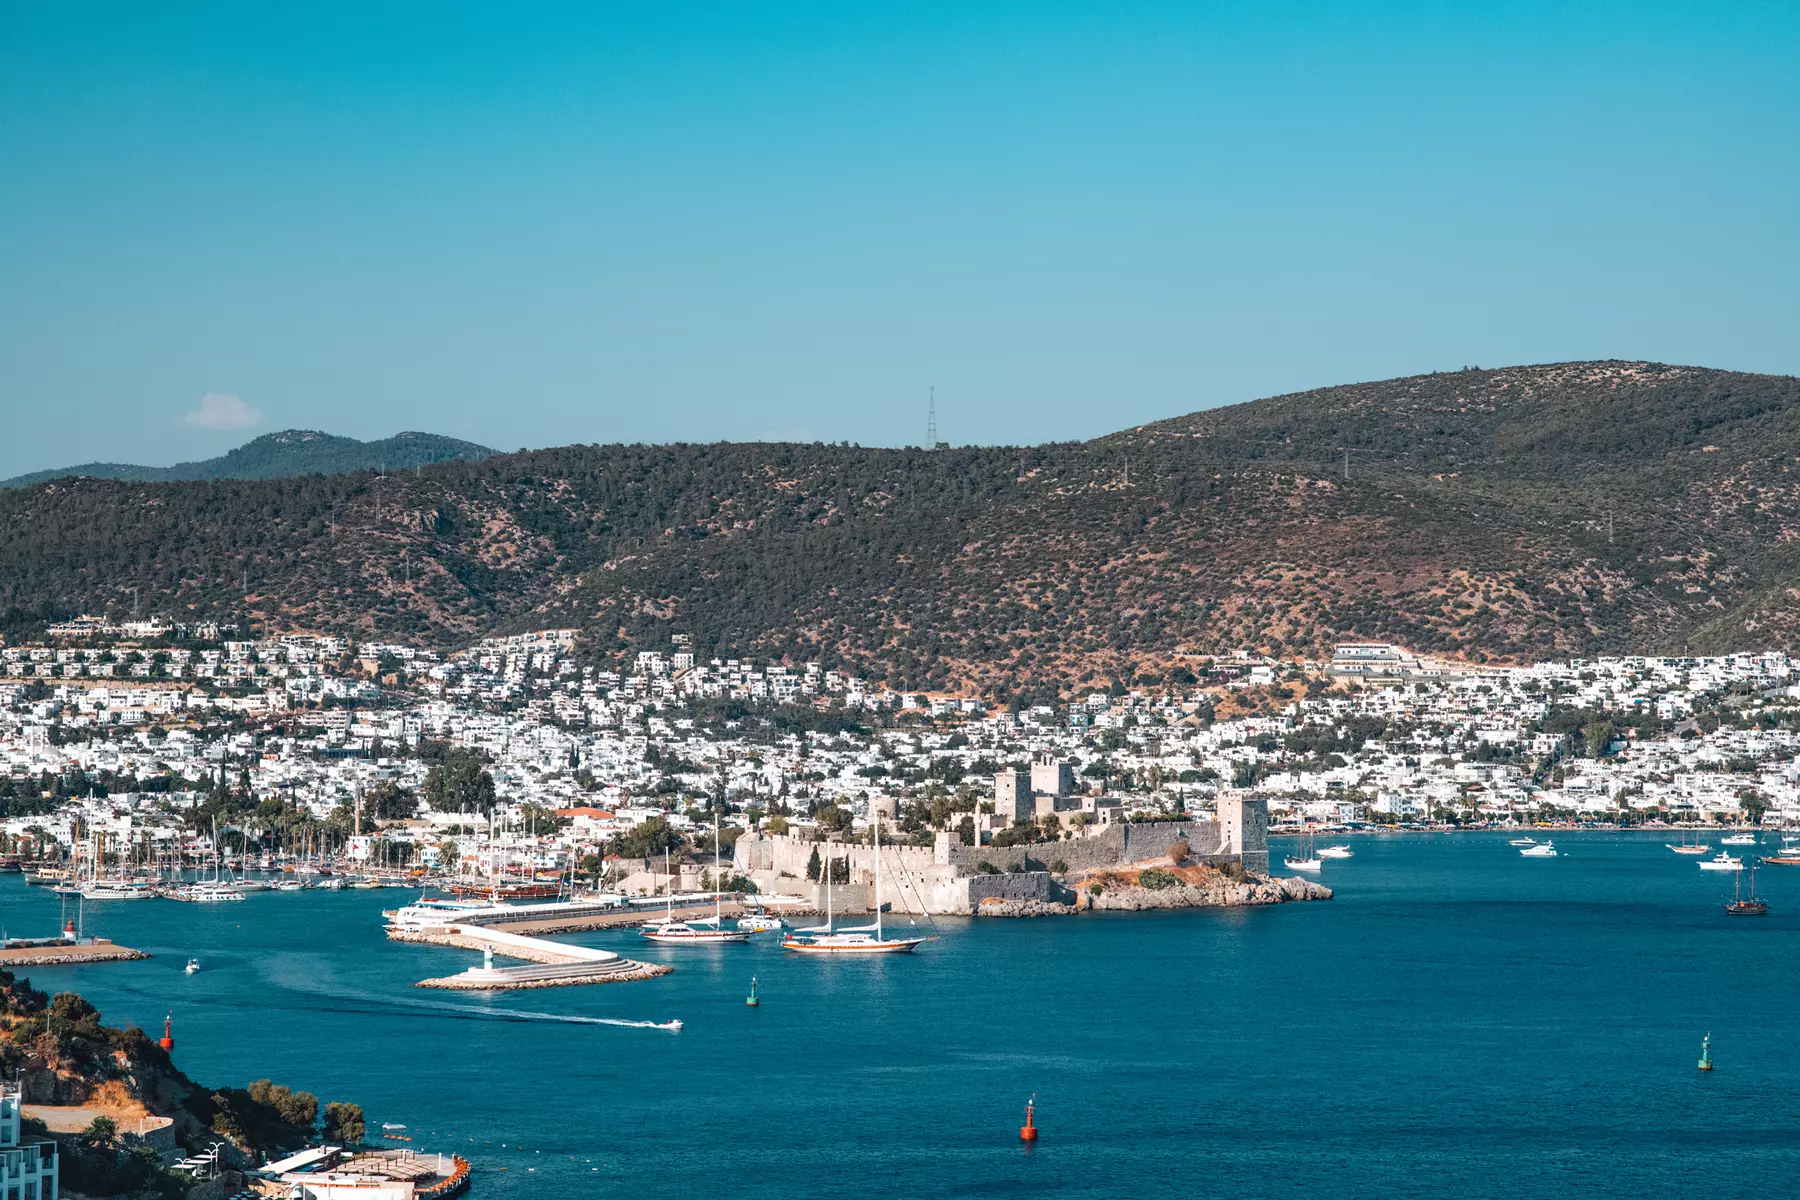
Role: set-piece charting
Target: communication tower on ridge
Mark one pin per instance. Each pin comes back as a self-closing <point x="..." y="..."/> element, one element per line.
<point x="931" y="436"/>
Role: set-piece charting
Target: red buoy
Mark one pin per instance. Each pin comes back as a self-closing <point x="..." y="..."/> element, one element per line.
<point x="167" y="1041"/>
<point x="1028" y="1131"/>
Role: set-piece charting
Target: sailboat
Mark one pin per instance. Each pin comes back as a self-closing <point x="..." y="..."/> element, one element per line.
<point x="1787" y="856"/>
<point x="1685" y="847"/>
<point x="856" y="939"/>
<point x="1741" y="906"/>
<point x="213" y="891"/>
<point x="1308" y="861"/>
<point x="706" y="930"/>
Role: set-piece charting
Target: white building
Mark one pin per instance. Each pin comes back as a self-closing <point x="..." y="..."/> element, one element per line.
<point x="28" y="1170"/>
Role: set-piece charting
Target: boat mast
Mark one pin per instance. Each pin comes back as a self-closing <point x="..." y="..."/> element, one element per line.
<point x="877" y="810"/>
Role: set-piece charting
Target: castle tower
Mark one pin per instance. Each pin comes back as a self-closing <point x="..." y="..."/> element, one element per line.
<point x="1244" y="830"/>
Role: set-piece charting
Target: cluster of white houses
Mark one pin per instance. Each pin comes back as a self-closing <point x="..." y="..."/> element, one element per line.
<point x="1375" y="735"/>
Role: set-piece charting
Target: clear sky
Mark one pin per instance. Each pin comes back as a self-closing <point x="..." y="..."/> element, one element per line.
<point x="536" y="224"/>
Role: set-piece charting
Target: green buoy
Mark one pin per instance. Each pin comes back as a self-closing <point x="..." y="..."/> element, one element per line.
<point x="1706" y="1053"/>
<point x="751" y="1000"/>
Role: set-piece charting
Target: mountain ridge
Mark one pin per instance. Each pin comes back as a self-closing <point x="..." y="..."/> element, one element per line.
<point x="283" y="453"/>
<point x="1628" y="508"/>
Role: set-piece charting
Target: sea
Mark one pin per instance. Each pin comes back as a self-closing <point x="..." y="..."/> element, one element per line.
<point x="1459" y="1021"/>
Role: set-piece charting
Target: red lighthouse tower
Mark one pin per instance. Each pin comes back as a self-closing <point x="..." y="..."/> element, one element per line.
<point x="167" y="1041"/>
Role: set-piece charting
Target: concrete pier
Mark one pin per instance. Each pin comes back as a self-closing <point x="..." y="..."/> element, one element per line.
<point x="558" y="964"/>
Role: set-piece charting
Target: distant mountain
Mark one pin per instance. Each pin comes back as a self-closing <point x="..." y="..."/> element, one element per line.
<point x="1497" y="515"/>
<point x="280" y="455"/>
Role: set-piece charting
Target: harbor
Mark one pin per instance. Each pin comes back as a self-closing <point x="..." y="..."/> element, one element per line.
<point x="1439" y="957"/>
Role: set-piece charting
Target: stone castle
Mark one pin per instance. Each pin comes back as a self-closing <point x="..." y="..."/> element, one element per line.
<point x="953" y="877"/>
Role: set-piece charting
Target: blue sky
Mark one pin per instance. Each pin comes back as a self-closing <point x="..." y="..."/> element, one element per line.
<point x="537" y="224"/>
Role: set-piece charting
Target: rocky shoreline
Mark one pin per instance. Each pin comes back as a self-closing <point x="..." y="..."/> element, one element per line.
<point x="1252" y="892"/>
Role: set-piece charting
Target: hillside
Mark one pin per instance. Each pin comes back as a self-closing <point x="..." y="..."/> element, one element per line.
<point x="1475" y="521"/>
<point x="276" y="455"/>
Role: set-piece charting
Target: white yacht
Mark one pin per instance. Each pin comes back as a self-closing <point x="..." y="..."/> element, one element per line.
<point x="1724" y="862"/>
<point x="1739" y="839"/>
<point x="112" y="889"/>
<point x="1336" y="852"/>
<point x="1539" y="850"/>
<point x="207" y="892"/>
<point x="1524" y="841"/>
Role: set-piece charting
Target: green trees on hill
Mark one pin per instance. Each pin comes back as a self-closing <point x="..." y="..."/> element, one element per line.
<point x="1565" y="509"/>
<point x="460" y="783"/>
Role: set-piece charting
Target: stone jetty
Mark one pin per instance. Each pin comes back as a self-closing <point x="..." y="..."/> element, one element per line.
<point x="556" y="964"/>
<point x="64" y="954"/>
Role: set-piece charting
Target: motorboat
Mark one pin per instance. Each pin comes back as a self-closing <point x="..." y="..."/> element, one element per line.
<point x="290" y="885"/>
<point x="1539" y="850"/>
<point x="1739" y="839"/>
<point x="193" y="965"/>
<point x="110" y="889"/>
<point x="1336" y="852"/>
<point x="1723" y="862"/>
<point x="761" y="922"/>
<point x="205" y="893"/>
<point x="1525" y="841"/>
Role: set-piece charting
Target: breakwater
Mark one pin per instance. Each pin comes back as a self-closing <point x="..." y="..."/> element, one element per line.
<point x="557" y="964"/>
<point x="63" y="954"/>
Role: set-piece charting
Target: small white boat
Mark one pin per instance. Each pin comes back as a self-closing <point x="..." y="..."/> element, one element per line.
<point x="193" y="966"/>
<point x="1523" y="842"/>
<point x="1336" y="852"/>
<point x="290" y="885"/>
<point x="760" y="923"/>
<point x="1724" y="862"/>
<point x="1739" y="839"/>
<point x="1540" y="850"/>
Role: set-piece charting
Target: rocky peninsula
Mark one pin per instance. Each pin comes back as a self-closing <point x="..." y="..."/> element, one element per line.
<point x="1169" y="884"/>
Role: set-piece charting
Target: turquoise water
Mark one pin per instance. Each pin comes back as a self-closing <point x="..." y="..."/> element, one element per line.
<point x="1458" y="1022"/>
